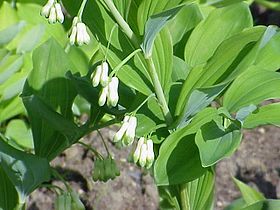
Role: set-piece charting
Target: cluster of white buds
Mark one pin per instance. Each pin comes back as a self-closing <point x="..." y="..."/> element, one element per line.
<point x="109" y="90"/>
<point x="52" y="10"/>
<point x="144" y="153"/>
<point x="127" y="131"/>
<point x="78" y="33"/>
<point x="100" y="75"/>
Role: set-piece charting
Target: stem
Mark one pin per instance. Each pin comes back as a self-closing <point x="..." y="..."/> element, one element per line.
<point x="91" y="149"/>
<point x="81" y="10"/>
<point x="142" y="104"/>
<point x="105" y="145"/>
<point x="121" y="64"/>
<point x="57" y="175"/>
<point x="122" y="23"/>
<point x="151" y="67"/>
<point x="159" y="91"/>
<point x="184" y="197"/>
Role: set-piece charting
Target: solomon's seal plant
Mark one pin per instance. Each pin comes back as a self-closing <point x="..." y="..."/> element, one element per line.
<point x="182" y="79"/>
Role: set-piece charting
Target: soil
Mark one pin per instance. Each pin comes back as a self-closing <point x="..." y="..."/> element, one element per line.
<point x="257" y="163"/>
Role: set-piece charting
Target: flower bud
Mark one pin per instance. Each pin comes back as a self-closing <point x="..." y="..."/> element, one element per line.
<point x="136" y="154"/>
<point x="104" y="75"/>
<point x="143" y="155"/>
<point x="113" y="96"/>
<point x="95" y="76"/>
<point x="52" y="17"/>
<point x="150" y="154"/>
<point x="86" y="35"/>
<point x="80" y="34"/>
<point x="59" y="13"/>
<point x="130" y="132"/>
<point x="103" y="96"/>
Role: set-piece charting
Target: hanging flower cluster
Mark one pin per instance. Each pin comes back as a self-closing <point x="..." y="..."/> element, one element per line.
<point x="52" y="10"/>
<point x="126" y="134"/>
<point x="78" y="33"/>
<point x="144" y="153"/>
<point x="109" y="85"/>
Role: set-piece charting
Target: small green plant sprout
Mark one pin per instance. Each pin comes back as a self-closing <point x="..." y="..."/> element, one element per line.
<point x="53" y="11"/>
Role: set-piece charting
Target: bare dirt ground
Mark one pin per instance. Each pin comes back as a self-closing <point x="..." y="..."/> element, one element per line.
<point x="257" y="163"/>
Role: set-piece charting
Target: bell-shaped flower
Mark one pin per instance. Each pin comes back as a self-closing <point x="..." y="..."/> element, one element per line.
<point x="150" y="154"/>
<point x="143" y="155"/>
<point x="137" y="152"/>
<point x="95" y="76"/>
<point x="103" y="96"/>
<point x="119" y="135"/>
<point x="46" y="9"/>
<point x="113" y="96"/>
<point x="104" y="79"/>
<point x="130" y="132"/>
<point x="78" y="33"/>
<point x="53" y="11"/>
<point x="59" y="13"/>
<point x="52" y="17"/>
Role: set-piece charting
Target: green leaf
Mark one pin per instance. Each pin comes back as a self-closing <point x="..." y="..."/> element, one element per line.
<point x="18" y="132"/>
<point x="265" y="115"/>
<point x="224" y="61"/>
<point x="249" y="57"/>
<point x="148" y="8"/>
<point x="27" y="43"/>
<point x="180" y="69"/>
<point x="11" y="108"/>
<point x="8" y="195"/>
<point x="11" y="66"/>
<point x="8" y="15"/>
<point x="215" y="143"/>
<point x="8" y="34"/>
<point x="268" y="204"/>
<point x="185" y="20"/>
<point x="47" y="86"/>
<point x="252" y="87"/>
<point x="24" y="170"/>
<point x="198" y="100"/>
<point x="153" y="26"/>
<point x="171" y="166"/>
<point x="249" y="194"/>
<point x="222" y="3"/>
<point x="179" y="147"/>
<point x="200" y="190"/>
<point x="218" y="26"/>
<point x="236" y="204"/>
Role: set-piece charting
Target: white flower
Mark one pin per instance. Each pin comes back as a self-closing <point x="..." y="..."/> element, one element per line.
<point x="103" y="96"/>
<point x="45" y="11"/>
<point x="59" y="13"/>
<point x="52" y="17"/>
<point x="143" y="155"/>
<point x="127" y="131"/>
<point x="79" y="34"/>
<point x="130" y="132"/>
<point x="136" y="154"/>
<point x="150" y="154"/>
<point x="104" y="75"/>
<point x="119" y="135"/>
<point x="95" y="76"/>
<point x="113" y="96"/>
<point x="53" y="11"/>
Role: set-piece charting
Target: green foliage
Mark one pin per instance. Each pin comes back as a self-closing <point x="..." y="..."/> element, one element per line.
<point x="194" y="73"/>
